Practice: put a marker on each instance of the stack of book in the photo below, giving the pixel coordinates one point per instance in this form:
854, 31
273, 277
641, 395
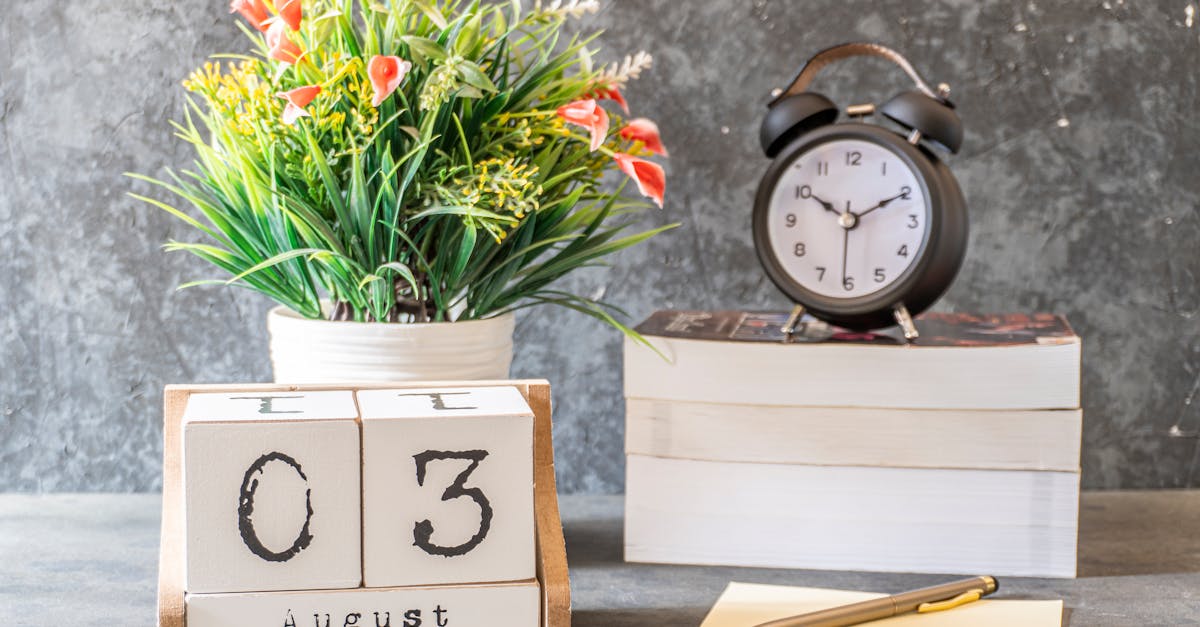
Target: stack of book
957, 453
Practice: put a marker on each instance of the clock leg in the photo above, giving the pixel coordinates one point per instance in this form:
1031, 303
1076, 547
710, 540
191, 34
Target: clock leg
789, 327
905, 321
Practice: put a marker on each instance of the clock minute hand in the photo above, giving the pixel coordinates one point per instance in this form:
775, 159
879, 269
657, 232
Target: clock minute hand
883, 203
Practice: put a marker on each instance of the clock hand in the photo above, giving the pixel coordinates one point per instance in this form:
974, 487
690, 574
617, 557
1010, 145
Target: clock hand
827, 205
883, 203
845, 248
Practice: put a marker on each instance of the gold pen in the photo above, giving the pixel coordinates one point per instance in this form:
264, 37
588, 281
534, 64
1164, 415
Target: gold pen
931, 599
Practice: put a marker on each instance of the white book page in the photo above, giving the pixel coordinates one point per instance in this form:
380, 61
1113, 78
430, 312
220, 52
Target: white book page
747, 605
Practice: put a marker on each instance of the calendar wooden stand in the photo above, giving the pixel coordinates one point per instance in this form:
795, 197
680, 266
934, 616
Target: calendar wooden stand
551, 556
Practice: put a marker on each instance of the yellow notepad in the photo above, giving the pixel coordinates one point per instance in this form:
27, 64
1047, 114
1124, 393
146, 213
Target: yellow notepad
748, 604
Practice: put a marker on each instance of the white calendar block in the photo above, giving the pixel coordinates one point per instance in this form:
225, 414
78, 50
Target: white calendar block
488, 605
271, 491
447, 486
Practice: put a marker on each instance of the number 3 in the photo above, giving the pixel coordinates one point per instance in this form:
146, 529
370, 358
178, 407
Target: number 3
423, 530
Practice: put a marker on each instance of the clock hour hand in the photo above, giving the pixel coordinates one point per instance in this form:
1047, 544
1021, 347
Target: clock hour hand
883, 203
827, 205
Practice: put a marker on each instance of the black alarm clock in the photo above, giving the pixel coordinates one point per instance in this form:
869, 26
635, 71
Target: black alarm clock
860, 224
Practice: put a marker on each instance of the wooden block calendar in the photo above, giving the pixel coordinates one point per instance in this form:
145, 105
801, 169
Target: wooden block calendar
278, 498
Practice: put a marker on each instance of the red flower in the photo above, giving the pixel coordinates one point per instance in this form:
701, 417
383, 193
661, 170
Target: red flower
282, 48
645, 131
297, 99
289, 12
613, 94
386, 73
649, 176
587, 114
254, 11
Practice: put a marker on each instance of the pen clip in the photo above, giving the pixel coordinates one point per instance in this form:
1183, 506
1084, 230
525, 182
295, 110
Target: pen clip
962, 599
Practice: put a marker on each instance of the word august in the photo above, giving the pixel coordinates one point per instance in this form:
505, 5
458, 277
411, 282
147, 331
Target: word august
411, 618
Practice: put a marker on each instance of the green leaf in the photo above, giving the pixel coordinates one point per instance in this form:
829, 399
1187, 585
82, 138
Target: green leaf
330, 14
185, 286
473, 76
465, 248
467, 91
175, 212
370, 278
405, 273
461, 210
424, 49
430, 12
278, 259
467, 37
595, 310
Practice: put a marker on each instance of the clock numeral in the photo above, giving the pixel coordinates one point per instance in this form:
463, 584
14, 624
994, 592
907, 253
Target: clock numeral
848, 283
883, 169
853, 157
803, 191
791, 219
822, 168
903, 252
905, 192
820, 273
912, 221
880, 277
799, 249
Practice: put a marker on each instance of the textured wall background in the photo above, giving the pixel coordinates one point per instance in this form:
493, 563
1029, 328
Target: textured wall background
1079, 168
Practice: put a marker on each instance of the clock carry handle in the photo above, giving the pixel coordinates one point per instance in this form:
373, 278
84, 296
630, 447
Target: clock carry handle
813, 66
925, 112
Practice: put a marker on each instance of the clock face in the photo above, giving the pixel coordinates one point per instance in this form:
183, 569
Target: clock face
847, 218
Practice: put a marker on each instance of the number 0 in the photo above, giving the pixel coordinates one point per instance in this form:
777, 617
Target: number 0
246, 510
423, 530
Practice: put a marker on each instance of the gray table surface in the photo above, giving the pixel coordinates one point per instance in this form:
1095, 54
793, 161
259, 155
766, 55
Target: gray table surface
92, 560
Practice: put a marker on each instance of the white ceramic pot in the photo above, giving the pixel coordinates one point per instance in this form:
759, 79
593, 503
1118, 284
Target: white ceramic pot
323, 351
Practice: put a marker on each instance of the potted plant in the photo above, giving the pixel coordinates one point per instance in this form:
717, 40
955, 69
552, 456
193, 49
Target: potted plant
401, 176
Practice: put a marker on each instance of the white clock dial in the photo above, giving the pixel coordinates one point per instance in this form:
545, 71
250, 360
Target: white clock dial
847, 218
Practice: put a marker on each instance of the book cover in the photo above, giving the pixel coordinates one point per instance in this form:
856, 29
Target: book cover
936, 329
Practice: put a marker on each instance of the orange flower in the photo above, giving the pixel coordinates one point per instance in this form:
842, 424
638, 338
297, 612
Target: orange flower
297, 99
587, 114
386, 74
282, 48
649, 176
613, 94
254, 11
289, 12
645, 131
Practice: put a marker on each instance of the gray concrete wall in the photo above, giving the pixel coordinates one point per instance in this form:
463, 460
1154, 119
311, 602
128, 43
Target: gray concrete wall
1079, 168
